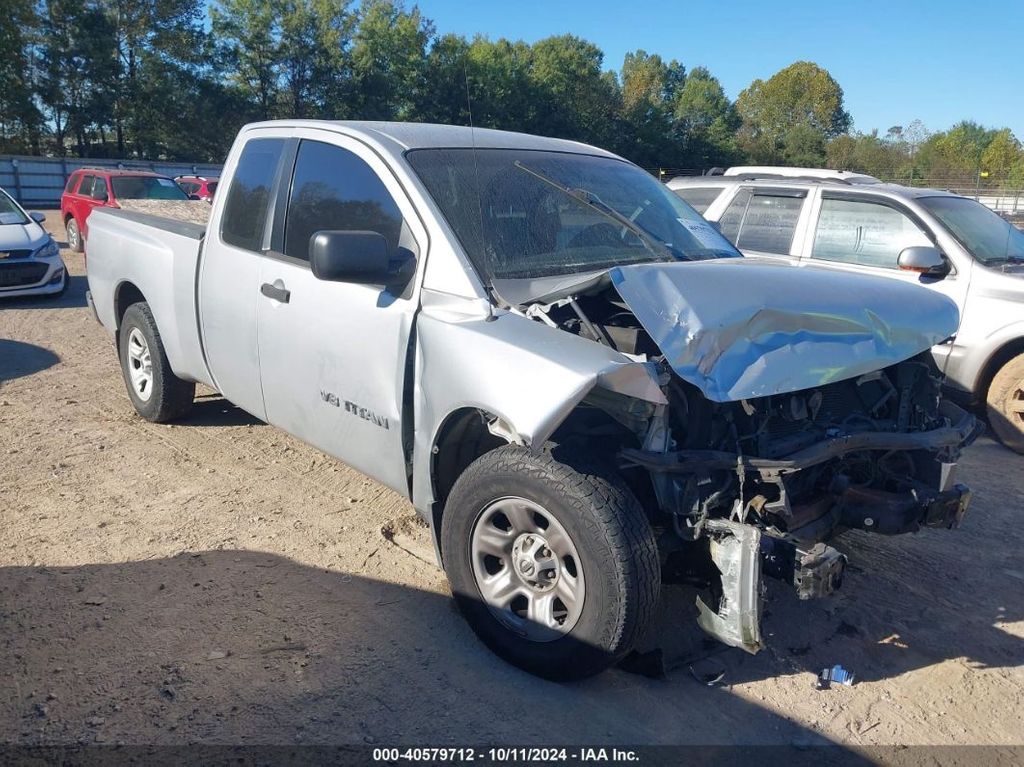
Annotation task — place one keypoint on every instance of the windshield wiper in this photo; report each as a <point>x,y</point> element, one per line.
<point>594,202</point>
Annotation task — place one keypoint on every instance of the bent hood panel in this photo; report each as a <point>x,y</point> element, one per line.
<point>744,328</point>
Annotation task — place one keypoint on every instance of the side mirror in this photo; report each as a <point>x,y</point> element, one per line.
<point>923,259</point>
<point>99,194</point>
<point>358,257</point>
<point>36,216</point>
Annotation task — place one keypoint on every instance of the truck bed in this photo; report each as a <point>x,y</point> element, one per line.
<point>191,211</point>
<point>130,252</point>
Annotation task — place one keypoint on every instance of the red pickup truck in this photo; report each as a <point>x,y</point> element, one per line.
<point>89,188</point>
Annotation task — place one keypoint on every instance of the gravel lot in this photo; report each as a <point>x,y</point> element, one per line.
<point>217,581</point>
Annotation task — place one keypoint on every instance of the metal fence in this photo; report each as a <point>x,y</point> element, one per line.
<point>37,182</point>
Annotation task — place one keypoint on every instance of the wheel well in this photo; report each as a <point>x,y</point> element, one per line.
<point>127,294</point>
<point>462,438</point>
<point>1005,353</point>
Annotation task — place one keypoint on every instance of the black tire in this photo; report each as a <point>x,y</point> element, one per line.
<point>614,540</point>
<point>74,232</point>
<point>1005,404</point>
<point>169,396</point>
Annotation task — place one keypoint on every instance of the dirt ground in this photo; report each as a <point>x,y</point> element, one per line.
<point>217,581</point>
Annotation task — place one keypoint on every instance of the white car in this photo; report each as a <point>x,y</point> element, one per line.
<point>854,223</point>
<point>30,262</point>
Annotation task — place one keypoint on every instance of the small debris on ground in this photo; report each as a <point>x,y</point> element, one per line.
<point>708,671</point>
<point>836,674</point>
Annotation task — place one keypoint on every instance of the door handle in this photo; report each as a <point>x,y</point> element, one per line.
<point>276,293</point>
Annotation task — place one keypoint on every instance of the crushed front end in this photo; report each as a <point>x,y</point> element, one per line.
<point>765,484</point>
<point>800,404</point>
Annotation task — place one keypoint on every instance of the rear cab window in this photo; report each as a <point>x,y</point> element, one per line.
<point>763,220</point>
<point>244,219</point>
<point>865,232</point>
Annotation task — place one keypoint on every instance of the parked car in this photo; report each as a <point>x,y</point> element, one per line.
<point>30,262</point>
<point>198,187</point>
<point>579,384</point>
<point>90,188</point>
<point>950,244</point>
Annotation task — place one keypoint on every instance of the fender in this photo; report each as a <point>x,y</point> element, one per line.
<point>529,375</point>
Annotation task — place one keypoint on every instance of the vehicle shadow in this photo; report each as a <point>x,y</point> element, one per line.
<point>214,410</point>
<point>246,647</point>
<point>18,359</point>
<point>907,602</point>
<point>73,298</point>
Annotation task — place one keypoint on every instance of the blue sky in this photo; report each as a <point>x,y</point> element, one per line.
<point>939,61</point>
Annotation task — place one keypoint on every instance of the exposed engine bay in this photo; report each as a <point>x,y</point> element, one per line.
<point>762,485</point>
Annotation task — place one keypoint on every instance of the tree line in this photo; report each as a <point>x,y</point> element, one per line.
<point>164,79</point>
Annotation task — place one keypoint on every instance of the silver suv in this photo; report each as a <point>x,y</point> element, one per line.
<point>945,242</point>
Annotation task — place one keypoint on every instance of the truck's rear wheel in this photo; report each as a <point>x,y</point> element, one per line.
<point>157,394</point>
<point>552,563</point>
<point>1006,404</point>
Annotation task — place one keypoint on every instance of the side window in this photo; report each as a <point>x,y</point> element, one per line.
<point>245,210</point>
<point>763,221</point>
<point>699,197</point>
<point>85,187</point>
<point>732,218</point>
<point>72,183</point>
<point>865,233</point>
<point>334,189</point>
<point>770,223</point>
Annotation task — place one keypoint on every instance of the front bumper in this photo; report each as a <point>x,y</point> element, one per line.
<point>52,280</point>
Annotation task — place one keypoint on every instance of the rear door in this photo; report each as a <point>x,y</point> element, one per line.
<point>237,235</point>
<point>91,195</point>
<point>763,221</point>
<point>335,356</point>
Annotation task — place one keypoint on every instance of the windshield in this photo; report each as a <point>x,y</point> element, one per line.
<point>146,188</point>
<point>987,237</point>
<point>10,213</point>
<point>528,213</point>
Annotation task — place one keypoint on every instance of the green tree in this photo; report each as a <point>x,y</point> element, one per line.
<point>1001,155</point>
<point>502,93</point>
<point>248,31</point>
<point>706,120</point>
<point>649,87</point>
<point>389,60</point>
<point>954,156</point>
<point>576,98</point>
<point>19,118</point>
<point>77,70</point>
<point>154,33</point>
<point>790,117</point>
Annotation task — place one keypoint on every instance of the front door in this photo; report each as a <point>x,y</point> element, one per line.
<point>333,355</point>
<point>867,234</point>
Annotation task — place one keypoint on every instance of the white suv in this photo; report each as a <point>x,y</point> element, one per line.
<point>945,242</point>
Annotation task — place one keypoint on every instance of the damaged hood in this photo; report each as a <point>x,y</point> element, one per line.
<point>742,328</point>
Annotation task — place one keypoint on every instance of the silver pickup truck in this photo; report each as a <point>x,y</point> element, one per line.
<point>580,385</point>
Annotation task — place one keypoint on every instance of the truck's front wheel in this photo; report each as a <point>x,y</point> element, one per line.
<point>157,394</point>
<point>553,563</point>
<point>1006,404</point>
